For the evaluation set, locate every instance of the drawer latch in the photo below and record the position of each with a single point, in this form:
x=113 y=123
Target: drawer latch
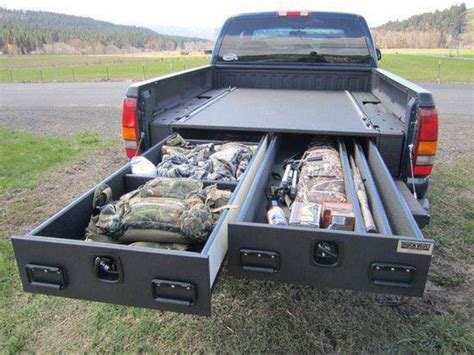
x=259 y=260
x=108 y=268
x=326 y=253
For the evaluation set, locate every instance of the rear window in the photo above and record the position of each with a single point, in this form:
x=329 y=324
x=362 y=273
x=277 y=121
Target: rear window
x=283 y=39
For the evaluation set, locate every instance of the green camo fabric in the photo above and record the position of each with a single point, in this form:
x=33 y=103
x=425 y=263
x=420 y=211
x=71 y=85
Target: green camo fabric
x=208 y=161
x=164 y=210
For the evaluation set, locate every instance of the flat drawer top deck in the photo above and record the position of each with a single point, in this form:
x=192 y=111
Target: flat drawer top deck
x=296 y=111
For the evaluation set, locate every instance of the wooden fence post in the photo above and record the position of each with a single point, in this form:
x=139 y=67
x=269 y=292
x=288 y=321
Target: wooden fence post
x=439 y=71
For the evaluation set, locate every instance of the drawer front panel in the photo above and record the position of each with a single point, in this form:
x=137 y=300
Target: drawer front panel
x=328 y=258
x=114 y=274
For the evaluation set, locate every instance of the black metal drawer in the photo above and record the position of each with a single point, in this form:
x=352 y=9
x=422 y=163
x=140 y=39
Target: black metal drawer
x=395 y=260
x=53 y=259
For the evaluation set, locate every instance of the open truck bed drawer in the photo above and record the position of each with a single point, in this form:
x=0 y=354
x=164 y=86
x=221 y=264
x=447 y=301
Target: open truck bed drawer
x=393 y=260
x=53 y=259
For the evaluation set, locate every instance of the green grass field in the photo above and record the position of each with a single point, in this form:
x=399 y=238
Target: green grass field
x=34 y=155
x=425 y=68
x=249 y=316
x=412 y=64
x=46 y=61
x=433 y=52
x=92 y=68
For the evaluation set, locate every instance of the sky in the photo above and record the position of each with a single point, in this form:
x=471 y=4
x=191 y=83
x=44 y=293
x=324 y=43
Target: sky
x=212 y=13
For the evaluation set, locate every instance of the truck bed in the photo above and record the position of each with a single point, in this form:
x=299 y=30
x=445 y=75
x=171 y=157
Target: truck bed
x=267 y=110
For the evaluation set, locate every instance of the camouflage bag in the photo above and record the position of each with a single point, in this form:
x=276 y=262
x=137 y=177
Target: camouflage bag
x=162 y=211
x=321 y=177
x=172 y=188
x=226 y=162
x=166 y=246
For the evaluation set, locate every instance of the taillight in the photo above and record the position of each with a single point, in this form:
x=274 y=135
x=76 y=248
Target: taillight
x=426 y=141
x=293 y=13
x=130 y=127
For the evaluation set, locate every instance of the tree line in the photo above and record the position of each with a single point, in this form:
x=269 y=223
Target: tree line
x=439 y=29
x=24 y=32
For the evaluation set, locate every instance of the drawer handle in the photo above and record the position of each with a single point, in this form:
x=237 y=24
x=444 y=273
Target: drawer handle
x=46 y=276
x=174 y=292
x=259 y=260
x=392 y=275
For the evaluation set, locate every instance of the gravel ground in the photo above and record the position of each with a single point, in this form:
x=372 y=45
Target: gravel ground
x=63 y=109
x=63 y=121
x=455 y=104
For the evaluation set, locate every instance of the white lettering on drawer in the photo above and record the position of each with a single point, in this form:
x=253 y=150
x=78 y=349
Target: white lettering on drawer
x=414 y=247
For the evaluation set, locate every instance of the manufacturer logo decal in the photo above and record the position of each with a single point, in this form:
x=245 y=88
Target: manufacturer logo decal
x=414 y=247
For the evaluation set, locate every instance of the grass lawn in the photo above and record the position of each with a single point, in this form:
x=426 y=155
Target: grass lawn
x=425 y=68
x=412 y=64
x=92 y=68
x=255 y=316
x=25 y=157
x=433 y=52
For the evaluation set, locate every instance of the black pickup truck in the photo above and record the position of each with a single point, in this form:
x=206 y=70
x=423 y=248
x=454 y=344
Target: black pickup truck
x=277 y=80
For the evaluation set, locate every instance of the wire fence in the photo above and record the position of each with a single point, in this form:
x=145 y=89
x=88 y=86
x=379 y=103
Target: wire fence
x=101 y=72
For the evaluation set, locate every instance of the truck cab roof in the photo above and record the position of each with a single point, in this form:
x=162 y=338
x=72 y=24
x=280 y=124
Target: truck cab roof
x=326 y=14
x=295 y=38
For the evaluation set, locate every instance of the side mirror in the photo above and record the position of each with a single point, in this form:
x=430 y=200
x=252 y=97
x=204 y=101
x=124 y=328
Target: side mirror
x=379 y=53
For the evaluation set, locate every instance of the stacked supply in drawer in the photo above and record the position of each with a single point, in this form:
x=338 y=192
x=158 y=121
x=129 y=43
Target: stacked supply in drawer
x=312 y=190
x=177 y=195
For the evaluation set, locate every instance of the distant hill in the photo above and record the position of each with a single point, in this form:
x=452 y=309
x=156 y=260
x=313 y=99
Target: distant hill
x=23 y=32
x=440 y=29
x=207 y=33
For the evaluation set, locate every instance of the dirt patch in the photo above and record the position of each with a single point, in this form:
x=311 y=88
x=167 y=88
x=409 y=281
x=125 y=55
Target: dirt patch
x=60 y=187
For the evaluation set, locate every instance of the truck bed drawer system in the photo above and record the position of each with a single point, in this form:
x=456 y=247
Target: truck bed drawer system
x=53 y=259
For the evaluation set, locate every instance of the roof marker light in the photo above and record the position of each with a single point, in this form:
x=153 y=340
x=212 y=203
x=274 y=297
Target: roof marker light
x=293 y=13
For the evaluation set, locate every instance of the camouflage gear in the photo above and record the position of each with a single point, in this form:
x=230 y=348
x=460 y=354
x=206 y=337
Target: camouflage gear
x=321 y=177
x=173 y=188
x=167 y=246
x=363 y=200
x=164 y=210
x=102 y=196
x=224 y=162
